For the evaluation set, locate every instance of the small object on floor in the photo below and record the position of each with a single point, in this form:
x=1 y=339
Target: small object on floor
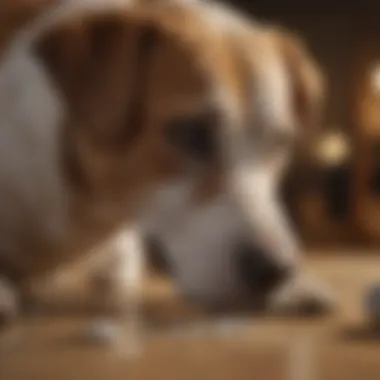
x=232 y=327
x=110 y=333
x=102 y=332
x=373 y=306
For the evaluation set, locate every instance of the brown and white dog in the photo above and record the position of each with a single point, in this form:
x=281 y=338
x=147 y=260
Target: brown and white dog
x=172 y=118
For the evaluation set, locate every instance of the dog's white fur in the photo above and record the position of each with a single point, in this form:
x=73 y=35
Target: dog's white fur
x=31 y=188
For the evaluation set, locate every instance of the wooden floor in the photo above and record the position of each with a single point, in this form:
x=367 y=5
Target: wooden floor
x=334 y=348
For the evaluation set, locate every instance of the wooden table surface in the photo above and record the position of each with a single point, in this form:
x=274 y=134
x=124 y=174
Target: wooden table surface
x=338 y=347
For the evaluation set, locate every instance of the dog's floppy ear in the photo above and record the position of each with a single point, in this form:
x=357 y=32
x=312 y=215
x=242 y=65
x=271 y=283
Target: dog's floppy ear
x=74 y=52
x=101 y=65
x=306 y=79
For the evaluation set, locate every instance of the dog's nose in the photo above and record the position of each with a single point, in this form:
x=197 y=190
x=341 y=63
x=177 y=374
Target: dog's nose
x=259 y=271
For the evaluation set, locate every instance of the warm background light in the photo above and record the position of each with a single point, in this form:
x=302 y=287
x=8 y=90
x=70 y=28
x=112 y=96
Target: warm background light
x=375 y=79
x=333 y=148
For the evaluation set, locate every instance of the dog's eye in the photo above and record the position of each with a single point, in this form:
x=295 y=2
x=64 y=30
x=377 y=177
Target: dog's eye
x=196 y=136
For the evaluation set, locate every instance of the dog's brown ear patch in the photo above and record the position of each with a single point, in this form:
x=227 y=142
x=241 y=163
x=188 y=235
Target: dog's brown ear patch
x=75 y=52
x=307 y=80
x=101 y=64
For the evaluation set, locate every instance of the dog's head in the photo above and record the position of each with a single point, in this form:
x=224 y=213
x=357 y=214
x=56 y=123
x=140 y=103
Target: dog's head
x=190 y=113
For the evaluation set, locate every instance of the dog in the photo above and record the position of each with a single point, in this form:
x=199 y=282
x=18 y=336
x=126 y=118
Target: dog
x=173 y=118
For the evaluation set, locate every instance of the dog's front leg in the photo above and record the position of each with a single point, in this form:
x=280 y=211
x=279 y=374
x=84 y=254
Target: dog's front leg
x=117 y=288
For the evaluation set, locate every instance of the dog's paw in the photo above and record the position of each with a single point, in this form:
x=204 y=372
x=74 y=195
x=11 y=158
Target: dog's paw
x=303 y=298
